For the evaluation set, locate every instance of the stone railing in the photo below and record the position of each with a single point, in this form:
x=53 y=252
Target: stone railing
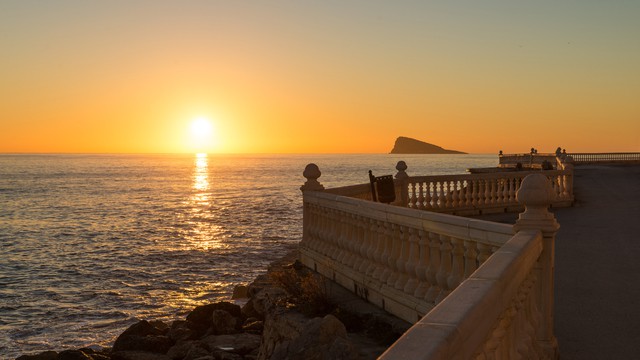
x=482 y=193
x=467 y=194
x=529 y=160
x=492 y=291
x=504 y=310
x=605 y=158
x=402 y=260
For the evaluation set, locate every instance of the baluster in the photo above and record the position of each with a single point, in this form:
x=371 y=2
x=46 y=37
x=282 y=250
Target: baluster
x=377 y=255
x=349 y=240
x=494 y=191
x=427 y=196
x=457 y=266
x=445 y=267
x=447 y=189
x=341 y=237
x=441 y=195
x=395 y=254
x=358 y=245
x=412 y=262
x=474 y=193
x=388 y=253
x=455 y=194
x=470 y=258
x=403 y=277
x=469 y=193
x=512 y=190
x=421 y=267
x=335 y=237
x=324 y=233
x=420 y=196
x=366 y=243
x=371 y=249
x=413 y=201
x=434 y=267
x=487 y=192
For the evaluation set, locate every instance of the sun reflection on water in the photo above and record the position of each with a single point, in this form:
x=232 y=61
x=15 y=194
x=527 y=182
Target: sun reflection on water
x=203 y=234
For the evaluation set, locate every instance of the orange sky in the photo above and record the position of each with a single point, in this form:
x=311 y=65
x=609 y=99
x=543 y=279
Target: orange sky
x=327 y=77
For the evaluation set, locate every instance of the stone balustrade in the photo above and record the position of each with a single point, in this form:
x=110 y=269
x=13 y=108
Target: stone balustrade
x=403 y=260
x=606 y=158
x=529 y=160
x=467 y=194
x=481 y=193
x=504 y=310
x=486 y=288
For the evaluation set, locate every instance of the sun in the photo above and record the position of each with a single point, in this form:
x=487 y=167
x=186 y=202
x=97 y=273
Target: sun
x=201 y=134
x=201 y=127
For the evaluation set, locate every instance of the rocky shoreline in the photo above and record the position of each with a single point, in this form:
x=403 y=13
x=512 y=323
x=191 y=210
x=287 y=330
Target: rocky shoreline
x=289 y=313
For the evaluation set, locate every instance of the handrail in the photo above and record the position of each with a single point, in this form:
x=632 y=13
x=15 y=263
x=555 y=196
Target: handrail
x=602 y=158
x=403 y=260
x=464 y=327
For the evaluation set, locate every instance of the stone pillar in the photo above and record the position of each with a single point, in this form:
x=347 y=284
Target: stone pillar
x=536 y=194
x=402 y=179
x=312 y=173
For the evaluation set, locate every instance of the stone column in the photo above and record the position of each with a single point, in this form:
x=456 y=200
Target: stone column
x=536 y=194
x=311 y=173
x=402 y=180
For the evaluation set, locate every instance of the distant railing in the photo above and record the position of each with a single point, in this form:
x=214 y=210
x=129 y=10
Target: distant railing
x=492 y=291
x=605 y=158
x=488 y=192
x=467 y=194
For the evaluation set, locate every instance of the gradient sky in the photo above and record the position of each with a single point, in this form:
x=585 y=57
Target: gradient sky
x=319 y=77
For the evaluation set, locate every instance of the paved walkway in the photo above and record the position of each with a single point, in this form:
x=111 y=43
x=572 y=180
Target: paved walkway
x=597 y=289
x=597 y=274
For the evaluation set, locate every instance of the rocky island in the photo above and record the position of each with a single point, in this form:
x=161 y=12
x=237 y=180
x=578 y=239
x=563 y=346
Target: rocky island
x=405 y=145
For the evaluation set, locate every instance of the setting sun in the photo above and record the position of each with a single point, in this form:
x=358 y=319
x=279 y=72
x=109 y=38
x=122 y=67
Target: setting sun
x=202 y=134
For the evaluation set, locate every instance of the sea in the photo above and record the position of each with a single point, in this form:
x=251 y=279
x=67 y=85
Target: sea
x=90 y=244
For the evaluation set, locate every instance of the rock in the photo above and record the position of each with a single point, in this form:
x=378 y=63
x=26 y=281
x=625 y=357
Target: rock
x=223 y=355
x=224 y=323
x=73 y=355
x=280 y=327
x=405 y=145
x=181 y=330
x=138 y=355
x=180 y=350
x=317 y=339
x=197 y=351
x=240 y=292
x=240 y=344
x=264 y=300
x=253 y=327
x=201 y=316
x=142 y=336
x=47 y=355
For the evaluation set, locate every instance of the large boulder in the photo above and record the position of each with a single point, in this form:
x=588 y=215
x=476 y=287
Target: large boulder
x=143 y=336
x=287 y=337
x=202 y=316
x=224 y=323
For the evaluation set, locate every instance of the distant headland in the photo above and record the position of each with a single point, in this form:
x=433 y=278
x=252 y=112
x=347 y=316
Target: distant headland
x=405 y=145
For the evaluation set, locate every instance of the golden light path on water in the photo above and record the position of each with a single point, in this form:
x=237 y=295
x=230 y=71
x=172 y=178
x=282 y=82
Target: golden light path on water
x=202 y=234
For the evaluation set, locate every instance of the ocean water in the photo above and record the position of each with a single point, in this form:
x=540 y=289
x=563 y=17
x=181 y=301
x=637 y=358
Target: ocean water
x=90 y=244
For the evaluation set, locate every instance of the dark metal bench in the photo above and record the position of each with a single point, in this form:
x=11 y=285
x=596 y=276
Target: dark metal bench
x=382 y=188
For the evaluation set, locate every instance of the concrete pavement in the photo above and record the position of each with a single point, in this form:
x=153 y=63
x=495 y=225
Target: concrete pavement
x=597 y=265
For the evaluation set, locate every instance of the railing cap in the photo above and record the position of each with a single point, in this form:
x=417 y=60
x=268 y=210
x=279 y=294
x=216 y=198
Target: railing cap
x=312 y=173
x=536 y=194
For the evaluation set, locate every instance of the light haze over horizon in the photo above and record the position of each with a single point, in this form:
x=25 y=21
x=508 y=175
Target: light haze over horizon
x=319 y=77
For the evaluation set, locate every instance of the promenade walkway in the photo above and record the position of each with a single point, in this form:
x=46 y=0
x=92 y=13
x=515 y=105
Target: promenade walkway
x=597 y=273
